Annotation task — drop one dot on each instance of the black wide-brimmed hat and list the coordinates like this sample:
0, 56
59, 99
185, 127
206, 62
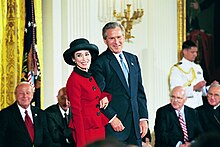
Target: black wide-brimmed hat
80, 44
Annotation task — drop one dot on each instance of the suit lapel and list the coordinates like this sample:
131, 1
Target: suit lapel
36, 122
213, 116
17, 116
174, 116
58, 117
20, 122
188, 117
70, 115
132, 72
115, 65
216, 115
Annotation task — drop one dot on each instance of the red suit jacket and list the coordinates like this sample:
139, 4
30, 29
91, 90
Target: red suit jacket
84, 95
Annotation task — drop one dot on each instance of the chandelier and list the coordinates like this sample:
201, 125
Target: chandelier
127, 12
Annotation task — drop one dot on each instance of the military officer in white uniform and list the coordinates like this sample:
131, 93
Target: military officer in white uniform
190, 75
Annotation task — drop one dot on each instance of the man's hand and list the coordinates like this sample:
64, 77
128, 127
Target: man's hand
143, 128
186, 144
199, 86
117, 125
215, 82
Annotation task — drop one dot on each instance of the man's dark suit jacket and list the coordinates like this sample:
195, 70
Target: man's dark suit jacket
58, 128
129, 103
13, 131
209, 122
167, 127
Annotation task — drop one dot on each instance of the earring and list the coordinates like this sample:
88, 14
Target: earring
73, 60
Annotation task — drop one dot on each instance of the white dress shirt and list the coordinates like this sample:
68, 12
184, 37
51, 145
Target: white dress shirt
22, 111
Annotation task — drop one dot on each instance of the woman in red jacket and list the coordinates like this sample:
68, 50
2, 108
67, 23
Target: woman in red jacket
86, 99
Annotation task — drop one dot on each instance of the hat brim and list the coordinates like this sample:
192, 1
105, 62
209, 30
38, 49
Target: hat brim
68, 54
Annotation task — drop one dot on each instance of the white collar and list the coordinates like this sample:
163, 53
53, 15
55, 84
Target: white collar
63, 112
215, 107
184, 60
181, 111
22, 111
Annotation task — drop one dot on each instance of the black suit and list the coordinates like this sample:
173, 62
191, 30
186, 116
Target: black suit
58, 127
129, 103
209, 118
167, 126
13, 131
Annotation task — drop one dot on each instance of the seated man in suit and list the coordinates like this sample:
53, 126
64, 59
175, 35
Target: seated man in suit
23, 125
209, 114
58, 117
176, 124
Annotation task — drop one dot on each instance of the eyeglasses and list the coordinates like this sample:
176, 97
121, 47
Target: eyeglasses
213, 95
176, 98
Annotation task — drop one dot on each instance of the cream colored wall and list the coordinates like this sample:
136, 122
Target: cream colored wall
155, 43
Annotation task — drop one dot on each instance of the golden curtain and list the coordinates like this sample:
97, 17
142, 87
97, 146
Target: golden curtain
12, 20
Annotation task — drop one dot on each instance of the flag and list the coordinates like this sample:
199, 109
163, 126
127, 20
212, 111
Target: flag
31, 66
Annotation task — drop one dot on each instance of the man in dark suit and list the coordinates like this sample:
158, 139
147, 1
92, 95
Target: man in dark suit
13, 129
209, 114
58, 117
168, 129
127, 111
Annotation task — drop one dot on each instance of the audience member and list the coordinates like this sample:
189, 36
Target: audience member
58, 117
23, 125
109, 142
84, 95
176, 124
209, 114
207, 140
118, 73
188, 74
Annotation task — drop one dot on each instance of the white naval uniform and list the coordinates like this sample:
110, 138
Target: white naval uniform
179, 78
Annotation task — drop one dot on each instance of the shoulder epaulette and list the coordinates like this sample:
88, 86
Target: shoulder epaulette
179, 63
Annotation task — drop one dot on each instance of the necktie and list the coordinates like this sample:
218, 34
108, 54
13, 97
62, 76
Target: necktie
29, 125
183, 126
66, 118
124, 68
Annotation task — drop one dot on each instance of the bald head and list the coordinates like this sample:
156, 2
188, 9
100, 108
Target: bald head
177, 97
24, 94
63, 99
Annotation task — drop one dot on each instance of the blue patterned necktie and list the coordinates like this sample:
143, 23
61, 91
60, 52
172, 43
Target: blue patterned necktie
124, 68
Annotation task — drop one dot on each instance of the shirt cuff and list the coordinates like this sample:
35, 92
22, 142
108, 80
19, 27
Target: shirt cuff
112, 118
179, 143
142, 119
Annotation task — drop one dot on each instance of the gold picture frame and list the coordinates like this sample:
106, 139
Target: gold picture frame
181, 24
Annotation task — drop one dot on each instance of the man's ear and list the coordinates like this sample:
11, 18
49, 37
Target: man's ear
105, 41
184, 51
